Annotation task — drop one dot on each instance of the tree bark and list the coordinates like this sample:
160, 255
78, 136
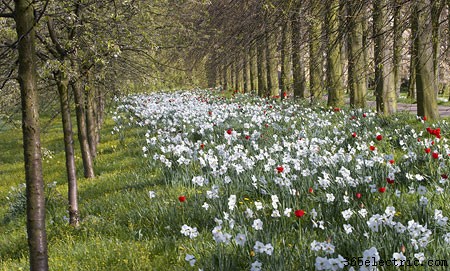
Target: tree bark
63, 82
425, 82
413, 53
285, 61
356, 65
334, 66
91, 124
397, 57
82, 130
271, 62
315, 56
298, 67
261, 67
37, 236
253, 69
384, 77
246, 72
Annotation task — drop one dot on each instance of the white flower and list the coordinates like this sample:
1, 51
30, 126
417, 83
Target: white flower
390, 211
322, 263
371, 256
232, 202
421, 190
287, 212
423, 201
313, 213
199, 180
259, 247
190, 258
256, 266
240, 239
398, 259
347, 214
363, 212
188, 231
420, 256
249, 213
258, 205
330, 197
257, 224
275, 213
348, 228
268, 249
151, 194
447, 237
205, 206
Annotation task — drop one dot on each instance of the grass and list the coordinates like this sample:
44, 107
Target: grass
119, 231
124, 229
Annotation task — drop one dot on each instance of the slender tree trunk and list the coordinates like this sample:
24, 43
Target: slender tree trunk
425, 82
384, 76
285, 61
253, 69
334, 66
298, 67
246, 72
356, 65
413, 53
271, 64
261, 67
91, 124
239, 74
397, 43
225, 76
37, 236
82, 130
63, 82
315, 56
436, 10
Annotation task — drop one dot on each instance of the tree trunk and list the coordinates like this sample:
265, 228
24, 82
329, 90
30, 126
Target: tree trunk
82, 130
63, 82
298, 67
239, 75
271, 63
37, 236
315, 55
225, 77
246, 72
91, 124
436, 10
261, 67
285, 79
334, 67
253, 69
398, 33
413, 59
356, 65
384, 76
425, 82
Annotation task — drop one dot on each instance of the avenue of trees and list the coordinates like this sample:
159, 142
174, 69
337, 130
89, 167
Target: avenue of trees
80, 54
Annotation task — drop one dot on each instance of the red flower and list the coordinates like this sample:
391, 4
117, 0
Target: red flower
285, 94
358, 195
392, 161
229, 131
353, 135
210, 113
372, 148
182, 198
444, 176
382, 189
435, 155
202, 146
424, 118
427, 150
336, 109
379, 137
311, 190
299, 213
390, 181
247, 137
280, 169
364, 115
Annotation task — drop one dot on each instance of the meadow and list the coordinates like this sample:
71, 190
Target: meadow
200, 181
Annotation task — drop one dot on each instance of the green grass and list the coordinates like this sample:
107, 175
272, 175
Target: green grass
121, 229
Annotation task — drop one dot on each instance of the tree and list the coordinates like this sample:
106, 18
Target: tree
386, 97
334, 67
315, 55
356, 65
37, 236
425, 81
298, 67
